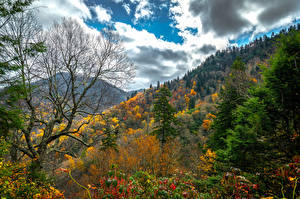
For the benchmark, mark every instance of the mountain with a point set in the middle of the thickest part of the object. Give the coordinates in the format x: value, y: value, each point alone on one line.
x: 210, y: 74
x: 100, y: 96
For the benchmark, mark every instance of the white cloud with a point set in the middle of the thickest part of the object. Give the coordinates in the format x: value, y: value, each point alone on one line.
x: 144, y: 9
x: 117, y: 1
x: 103, y: 15
x: 134, y: 1
x: 183, y: 17
x: 156, y: 59
x: 50, y: 11
x: 53, y: 10
x: 127, y: 8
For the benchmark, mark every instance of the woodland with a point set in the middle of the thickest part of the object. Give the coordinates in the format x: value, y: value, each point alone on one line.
x: 227, y: 129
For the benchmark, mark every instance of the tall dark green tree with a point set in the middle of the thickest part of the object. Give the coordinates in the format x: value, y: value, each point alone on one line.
x: 247, y: 143
x: 283, y: 82
x: 164, y: 115
x: 235, y: 92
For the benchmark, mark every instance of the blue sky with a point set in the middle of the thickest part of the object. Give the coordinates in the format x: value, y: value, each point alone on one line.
x: 165, y: 38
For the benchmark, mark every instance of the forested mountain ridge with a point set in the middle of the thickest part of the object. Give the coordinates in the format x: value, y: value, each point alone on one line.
x: 210, y: 74
x: 108, y: 94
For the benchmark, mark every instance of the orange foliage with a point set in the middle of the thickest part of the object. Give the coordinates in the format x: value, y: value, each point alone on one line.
x: 214, y: 97
x: 193, y: 92
x: 137, y: 151
x: 254, y: 80
x: 207, y: 122
x: 210, y: 116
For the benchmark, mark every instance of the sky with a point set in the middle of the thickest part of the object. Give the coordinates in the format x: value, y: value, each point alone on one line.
x: 166, y: 38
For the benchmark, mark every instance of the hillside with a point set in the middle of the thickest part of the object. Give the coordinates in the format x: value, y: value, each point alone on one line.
x: 228, y: 129
x: 131, y: 145
x: 210, y: 75
x: 102, y: 92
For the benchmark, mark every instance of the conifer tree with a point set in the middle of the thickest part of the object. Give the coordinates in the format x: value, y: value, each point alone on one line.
x: 164, y: 115
x: 234, y: 94
x: 283, y: 82
x: 265, y: 128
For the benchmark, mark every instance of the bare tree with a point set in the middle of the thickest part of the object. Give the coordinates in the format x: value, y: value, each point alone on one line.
x: 67, y: 81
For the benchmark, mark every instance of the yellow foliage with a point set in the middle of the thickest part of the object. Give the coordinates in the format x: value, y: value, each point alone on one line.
x: 68, y: 157
x: 214, y: 97
x: 194, y: 84
x: 151, y: 121
x: 206, y: 162
x: 23, y: 137
x: 207, y: 122
x: 136, y: 108
x: 187, y: 101
x: 115, y: 120
x: 180, y: 113
x: 14, y: 183
x: 138, y: 115
x: 90, y: 149
x: 102, y: 122
x: 132, y: 131
x: 62, y: 138
x: 62, y: 126
x: 132, y: 99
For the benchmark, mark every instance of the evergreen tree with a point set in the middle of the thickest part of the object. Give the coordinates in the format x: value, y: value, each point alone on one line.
x: 164, y: 115
x: 234, y: 94
x: 158, y: 85
x: 247, y: 146
x: 265, y: 128
x: 283, y: 82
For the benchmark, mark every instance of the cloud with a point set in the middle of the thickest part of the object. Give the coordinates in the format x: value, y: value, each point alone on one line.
x: 54, y: 10
x: 117, y: 1
x: 144, y: 10
x: 222, y: 17
x: 160, y: 64
x: 276, y: 10
x: 103, y: 15
x: 233, y: 17
x: 207, y: 48
x: 155, y: 59
x: 127, y: 8
x: 182, y: 17
x: 164, y: 54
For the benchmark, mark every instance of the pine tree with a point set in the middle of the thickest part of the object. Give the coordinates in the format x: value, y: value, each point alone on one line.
x: 265, y: 127
x: 283, y: 82
x: 164, y: 115
x: 234, y: 94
